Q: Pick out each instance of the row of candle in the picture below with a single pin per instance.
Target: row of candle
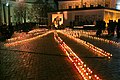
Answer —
(93, 48)
(26, 35)
(26, 40)
(85, 72)
(37, 30)
(103, 40)
(78, 34)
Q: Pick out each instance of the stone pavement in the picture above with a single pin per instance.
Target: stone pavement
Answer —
(39, 59)
(115, 51)
(107, 69)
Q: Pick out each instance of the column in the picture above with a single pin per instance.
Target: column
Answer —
(0, 13)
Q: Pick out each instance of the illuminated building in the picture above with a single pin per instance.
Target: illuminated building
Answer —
(88, 11)
(66, 4)
(14, 4)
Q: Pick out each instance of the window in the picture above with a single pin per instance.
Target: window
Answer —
(76, 7)
(106, 5)
(84, 6)
(76, 18)
(91, 5)
(70, 7)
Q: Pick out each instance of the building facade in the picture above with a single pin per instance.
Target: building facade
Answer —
(71, 4)
(17, 10)
(9, 10)
(76, 11)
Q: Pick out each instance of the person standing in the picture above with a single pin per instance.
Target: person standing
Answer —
(118, 29)
(98, 25)
(110, 27)
(113, 28)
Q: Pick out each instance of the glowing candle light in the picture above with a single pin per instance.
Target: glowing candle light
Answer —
(95, 49)
(78, 63)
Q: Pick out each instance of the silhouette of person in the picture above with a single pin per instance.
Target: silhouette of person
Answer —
(118, 29)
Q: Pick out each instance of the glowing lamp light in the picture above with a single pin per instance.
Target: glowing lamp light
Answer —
(7, 4)
(118, 4)
(118, 7)
(57, 19)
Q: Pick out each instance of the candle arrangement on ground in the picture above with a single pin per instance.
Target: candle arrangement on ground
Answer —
(24, 35)
(82, 68)
(93, 48)
(80, 33)
(21, 41)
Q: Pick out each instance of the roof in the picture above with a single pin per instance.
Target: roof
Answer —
(67, 0)
(87, 8)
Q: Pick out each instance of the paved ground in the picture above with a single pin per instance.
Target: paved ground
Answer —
(39, 59)
(115, 51)
(106, 69)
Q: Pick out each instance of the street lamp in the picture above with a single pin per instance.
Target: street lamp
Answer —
(10, 27)
(9, 16)
(6, 6)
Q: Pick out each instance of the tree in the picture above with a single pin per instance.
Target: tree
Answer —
(41, 10)
(20, 12)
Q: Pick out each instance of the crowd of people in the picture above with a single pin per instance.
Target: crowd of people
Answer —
(6, 31)
(112, 26)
